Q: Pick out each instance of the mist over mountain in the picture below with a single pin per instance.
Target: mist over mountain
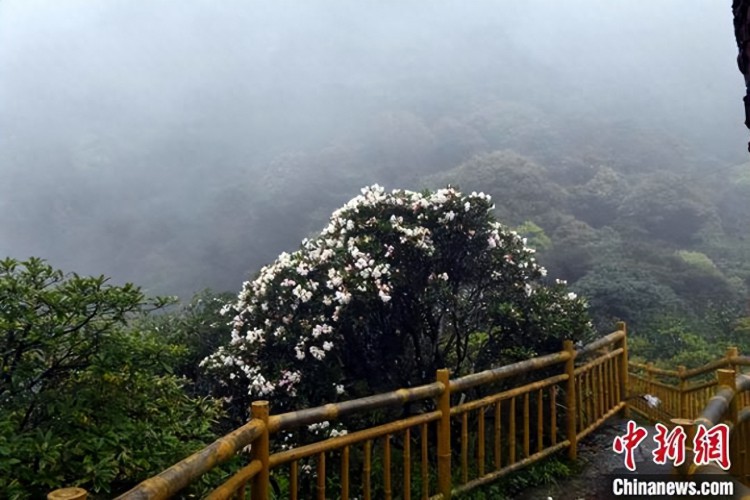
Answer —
(184, 145)
(181, 146)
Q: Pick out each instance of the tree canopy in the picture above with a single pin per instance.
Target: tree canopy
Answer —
(397, 285)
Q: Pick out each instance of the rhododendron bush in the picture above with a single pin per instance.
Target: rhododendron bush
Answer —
(397, 285)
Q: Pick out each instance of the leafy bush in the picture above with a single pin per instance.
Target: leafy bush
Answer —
(395, 287)
(195, 329)
(86, 401)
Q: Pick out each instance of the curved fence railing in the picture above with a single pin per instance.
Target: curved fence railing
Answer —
(683, 393)
(476, 429)
(716, 393)
(728, 405)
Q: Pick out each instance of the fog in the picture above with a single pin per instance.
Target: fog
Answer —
(182, 145)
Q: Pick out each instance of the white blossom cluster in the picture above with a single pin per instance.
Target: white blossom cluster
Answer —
(325, 429)
(294, 305)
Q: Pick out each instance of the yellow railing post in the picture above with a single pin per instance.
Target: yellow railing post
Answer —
(650, 388)
(689, 427)
(737, 440)
(68, 494)
(682, 406)
(570, 402)
(621, 326)
(444, 435)
(738, 370)
(260, 450)
(732, 352)
(727, 378)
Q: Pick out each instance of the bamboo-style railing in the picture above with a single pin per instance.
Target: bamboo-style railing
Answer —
(453, 449)
(715, 393)
(683, 393)
(728, 405)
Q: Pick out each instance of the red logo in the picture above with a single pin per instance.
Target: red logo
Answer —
(629, 442)
(670, 445)
(710, 445)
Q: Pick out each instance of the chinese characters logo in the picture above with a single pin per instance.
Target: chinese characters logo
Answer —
(710, 445)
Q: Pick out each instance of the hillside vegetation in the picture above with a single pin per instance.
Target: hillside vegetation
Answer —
(609, 137)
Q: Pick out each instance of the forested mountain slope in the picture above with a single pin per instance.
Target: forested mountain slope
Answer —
(614, 140)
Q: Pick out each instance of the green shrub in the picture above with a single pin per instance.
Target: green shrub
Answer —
(86, 400)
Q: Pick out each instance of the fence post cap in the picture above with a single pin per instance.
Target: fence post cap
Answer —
(68, 494)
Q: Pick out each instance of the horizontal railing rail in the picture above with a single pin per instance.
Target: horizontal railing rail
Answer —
(180, 475)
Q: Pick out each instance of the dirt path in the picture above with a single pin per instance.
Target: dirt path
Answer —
(596, 460)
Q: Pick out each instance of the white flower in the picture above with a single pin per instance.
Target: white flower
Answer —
(439, 197)
(317, 352)
(325, 255)
(254, 335)
(652, 401)
(319, 426)
(258, 383)
(449, 216)
(327, 345)
(300, 352)
(572, 296)
(363, 263)
(334, 282)
(318, 330)
(384, 296)
(339, 388)
(467, 206)
(343, 297)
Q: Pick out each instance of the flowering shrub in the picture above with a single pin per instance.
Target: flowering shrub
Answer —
(397, 285)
